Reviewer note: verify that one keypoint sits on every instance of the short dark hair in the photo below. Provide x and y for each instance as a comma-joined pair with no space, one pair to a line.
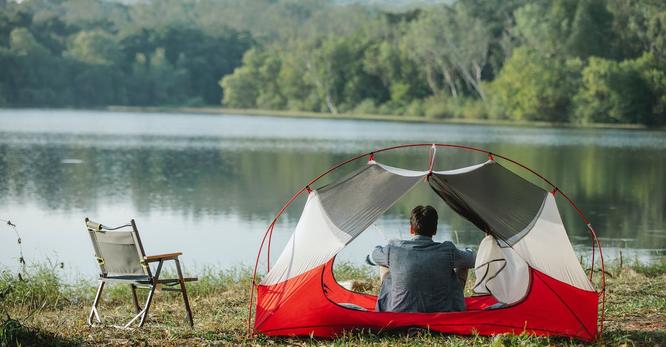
424,220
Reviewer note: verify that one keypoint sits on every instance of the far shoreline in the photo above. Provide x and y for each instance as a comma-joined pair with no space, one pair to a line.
371,117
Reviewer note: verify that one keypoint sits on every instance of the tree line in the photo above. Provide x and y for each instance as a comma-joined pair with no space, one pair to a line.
563,61
83,53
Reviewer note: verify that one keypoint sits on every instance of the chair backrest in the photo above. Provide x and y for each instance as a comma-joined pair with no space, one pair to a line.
118,250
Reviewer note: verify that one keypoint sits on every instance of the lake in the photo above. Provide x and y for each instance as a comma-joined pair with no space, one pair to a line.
208,185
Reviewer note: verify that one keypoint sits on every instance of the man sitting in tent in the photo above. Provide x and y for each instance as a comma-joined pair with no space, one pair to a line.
423,276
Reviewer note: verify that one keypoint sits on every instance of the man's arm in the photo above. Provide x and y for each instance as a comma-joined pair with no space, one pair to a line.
464,259
379,256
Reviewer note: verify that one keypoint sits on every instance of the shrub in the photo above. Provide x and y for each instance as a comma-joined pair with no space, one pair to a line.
531,87
415,109
367,106
436,108
631,91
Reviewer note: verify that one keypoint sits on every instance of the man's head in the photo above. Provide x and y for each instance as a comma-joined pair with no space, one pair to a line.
423,220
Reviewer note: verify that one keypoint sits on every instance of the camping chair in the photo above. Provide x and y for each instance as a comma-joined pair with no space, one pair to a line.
121,259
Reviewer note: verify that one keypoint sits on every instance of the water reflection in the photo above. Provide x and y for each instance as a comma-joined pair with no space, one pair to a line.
208,185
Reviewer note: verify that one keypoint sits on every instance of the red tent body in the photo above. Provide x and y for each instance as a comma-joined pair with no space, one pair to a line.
526,261
306,305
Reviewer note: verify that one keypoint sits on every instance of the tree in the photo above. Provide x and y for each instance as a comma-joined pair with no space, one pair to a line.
453,46
335,68
631,91
322,69
530,87
401,78
206,58
566,28
95,48
656,35
241,88
591,30
155,81
544,26
22,42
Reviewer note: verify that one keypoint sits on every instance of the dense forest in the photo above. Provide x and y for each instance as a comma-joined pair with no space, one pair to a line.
562,61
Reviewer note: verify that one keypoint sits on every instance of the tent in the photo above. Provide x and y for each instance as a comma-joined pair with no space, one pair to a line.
526,264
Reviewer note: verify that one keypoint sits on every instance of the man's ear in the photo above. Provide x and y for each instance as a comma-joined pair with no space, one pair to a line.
411,230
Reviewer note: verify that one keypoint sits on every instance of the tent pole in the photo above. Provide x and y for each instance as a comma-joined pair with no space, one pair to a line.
431,160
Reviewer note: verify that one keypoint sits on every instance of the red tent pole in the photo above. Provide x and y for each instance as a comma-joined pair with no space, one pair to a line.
601,257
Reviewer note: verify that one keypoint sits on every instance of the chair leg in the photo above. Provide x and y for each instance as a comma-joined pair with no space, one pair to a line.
149,300
184,291
150,295
144,313
93,310
137,308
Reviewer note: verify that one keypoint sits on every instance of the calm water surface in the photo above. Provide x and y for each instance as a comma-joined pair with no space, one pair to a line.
208,185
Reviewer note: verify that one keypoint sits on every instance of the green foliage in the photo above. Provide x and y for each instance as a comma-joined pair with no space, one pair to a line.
566,28
23,43
366,107
43,287
442,61
390,62
591,30
631,91
214,281
94,53
95,48
656,34
650,270
344,271
559,61
530,87
255,83
455,53
544,26
539,83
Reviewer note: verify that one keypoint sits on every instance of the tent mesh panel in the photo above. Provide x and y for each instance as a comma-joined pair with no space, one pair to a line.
493,198
357,200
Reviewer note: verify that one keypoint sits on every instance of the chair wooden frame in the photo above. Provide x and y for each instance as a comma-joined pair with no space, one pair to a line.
146,280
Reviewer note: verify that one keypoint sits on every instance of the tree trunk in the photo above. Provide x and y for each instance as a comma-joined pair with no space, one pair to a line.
323,87
432,83
472,80
450,82
477,76
330,104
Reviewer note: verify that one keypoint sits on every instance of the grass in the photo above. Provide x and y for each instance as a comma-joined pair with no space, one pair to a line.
44,310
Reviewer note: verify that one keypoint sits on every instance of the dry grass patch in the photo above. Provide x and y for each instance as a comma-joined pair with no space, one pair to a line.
46,311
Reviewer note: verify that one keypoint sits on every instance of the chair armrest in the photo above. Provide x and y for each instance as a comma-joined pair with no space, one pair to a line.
161,257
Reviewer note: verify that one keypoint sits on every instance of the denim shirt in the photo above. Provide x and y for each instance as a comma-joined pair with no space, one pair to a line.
421,275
